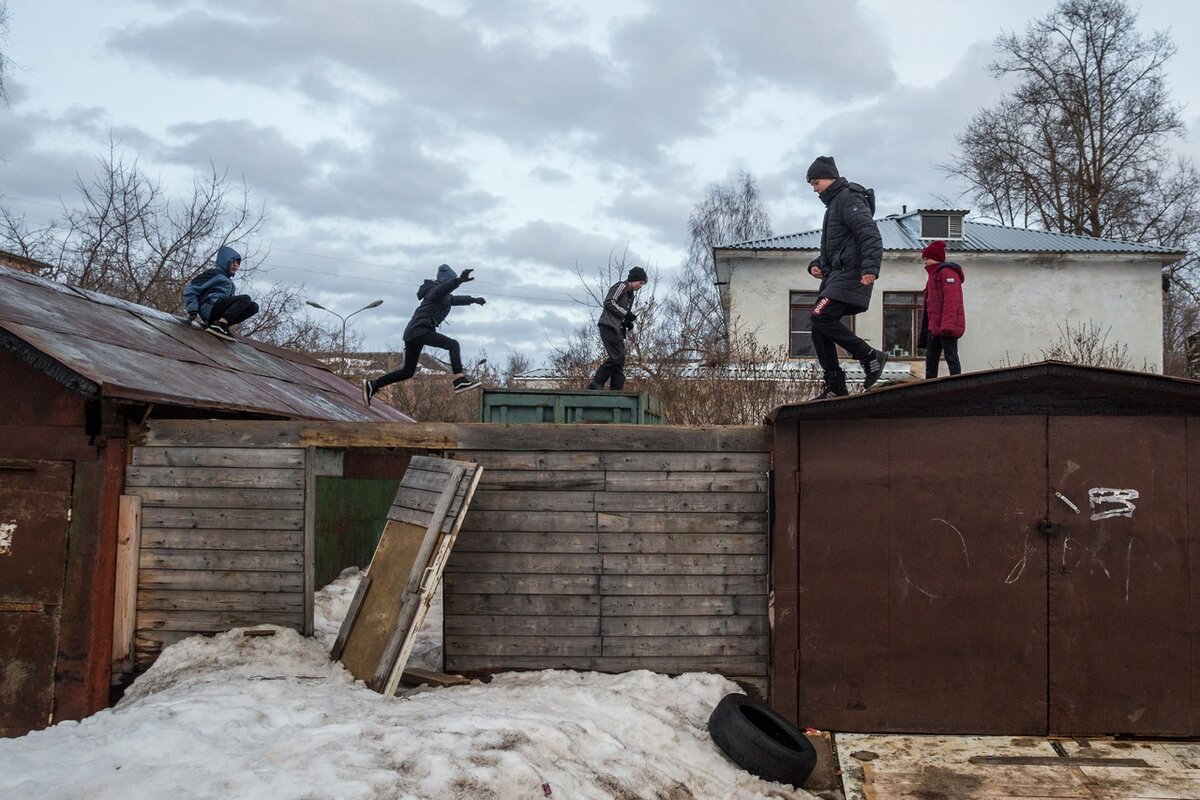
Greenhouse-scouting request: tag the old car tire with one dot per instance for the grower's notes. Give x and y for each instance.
(760, 741)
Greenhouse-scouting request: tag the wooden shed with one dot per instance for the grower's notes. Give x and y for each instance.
(1005, 552)
(80, 368)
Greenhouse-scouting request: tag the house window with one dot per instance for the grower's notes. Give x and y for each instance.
(902, 323)
(948, 226)
(800, 306)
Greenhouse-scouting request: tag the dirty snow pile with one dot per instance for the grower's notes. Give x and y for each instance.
(232, 716)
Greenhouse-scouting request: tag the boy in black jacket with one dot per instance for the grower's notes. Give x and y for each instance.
(616, 319)
(436, 301)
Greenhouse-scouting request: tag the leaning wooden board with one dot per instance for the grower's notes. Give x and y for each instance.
(377, 634)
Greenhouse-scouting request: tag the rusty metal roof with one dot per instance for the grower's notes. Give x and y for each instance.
(102, 346)
(1045, 388)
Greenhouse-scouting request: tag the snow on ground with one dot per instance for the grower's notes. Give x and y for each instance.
(231, 716)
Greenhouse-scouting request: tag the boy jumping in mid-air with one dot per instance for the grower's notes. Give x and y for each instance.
(436, 301)
(616, 320)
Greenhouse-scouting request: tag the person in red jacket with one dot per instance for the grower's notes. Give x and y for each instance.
(944, 321)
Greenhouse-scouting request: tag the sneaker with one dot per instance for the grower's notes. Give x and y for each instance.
(220, 329)
(873, 367)
(368, 391)
(465, 384)
(835, 386)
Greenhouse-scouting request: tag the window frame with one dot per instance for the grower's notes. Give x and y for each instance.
(805, 309)
(915, 307)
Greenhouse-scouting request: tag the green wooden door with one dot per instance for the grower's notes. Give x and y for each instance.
(350, 515)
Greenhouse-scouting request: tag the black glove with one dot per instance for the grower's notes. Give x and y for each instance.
(465, 276)
(627, 324)
(480, 300)
(630, 317)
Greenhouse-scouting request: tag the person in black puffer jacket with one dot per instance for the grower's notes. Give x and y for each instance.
(851, 252)
(437, 299)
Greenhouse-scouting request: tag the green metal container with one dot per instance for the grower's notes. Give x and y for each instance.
(569, 405)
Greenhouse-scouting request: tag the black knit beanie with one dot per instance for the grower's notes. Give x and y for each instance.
(637, 274)
(823, 167)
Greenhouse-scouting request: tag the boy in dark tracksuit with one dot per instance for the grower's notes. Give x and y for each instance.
(211, 297)
(437, 299)
(616, 319)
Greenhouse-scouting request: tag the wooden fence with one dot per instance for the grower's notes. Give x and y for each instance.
(606, 547)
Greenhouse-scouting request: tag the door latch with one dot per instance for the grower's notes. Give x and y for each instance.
(1049, 528)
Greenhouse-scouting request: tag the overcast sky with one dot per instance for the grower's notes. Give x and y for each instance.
(524, 138)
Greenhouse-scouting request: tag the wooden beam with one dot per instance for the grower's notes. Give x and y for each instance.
(129, 525)
(310, 547)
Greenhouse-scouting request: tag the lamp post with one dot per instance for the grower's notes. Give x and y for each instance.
(376, 304)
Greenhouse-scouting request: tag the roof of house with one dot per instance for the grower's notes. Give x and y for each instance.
(101, 346)
(1043, 388)
(902, 232)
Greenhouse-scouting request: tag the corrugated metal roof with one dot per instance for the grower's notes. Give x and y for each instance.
(131, 352)
(900, 232)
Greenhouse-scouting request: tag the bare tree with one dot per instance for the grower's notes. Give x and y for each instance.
(127, 239)
(4, 60)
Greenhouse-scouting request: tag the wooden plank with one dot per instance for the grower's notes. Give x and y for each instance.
(446, 466)
(214, 621)
(129, 525)
(564, 480)
(308, 557)
(514, 563)
(221, 518)
(505, 542)
(339, 644)
(214, 580)
(685, 482)
(198, 539)
(171, 600)
(215, 477)
(240, 560)
(173, 497)
(683, 564)
(523, 604)
(416, 676)
(534, 460)
(518, 500)
(652, 500)
(739, 543)
(668, 665)
(685, 626)
(510, 625)
(494, 645)
(683, 584)
(655, 522)
(652, 605)
(636, 646)
(224, 457)
(433, 481)
(701, 461)
(495, 583)
(515, 521)
(261, 434)
(785, 573)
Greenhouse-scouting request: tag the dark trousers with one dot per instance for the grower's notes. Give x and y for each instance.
(613, 369)
(234, 309)
(939, 345)
(412, 357)
(828, 331)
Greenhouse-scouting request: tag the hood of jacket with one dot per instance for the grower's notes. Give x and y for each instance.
(947, 265)
(226, 256)
(444, 273)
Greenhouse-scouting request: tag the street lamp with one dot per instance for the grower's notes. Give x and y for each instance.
(376, 304)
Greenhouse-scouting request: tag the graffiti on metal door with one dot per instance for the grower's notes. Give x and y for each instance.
(1122, 499)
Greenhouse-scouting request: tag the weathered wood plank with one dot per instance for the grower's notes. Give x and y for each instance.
(223, 457)
(683, 584)
(216, 433)
(129, 525)
(685, 482)
(160, 600)
(510, 625)
(525, 563)
(309, 555)
(505, 542)
(173, 497)
(428, 480)
(215, 477)
(672, 665)
(491, 645)
(535, 460)
(661, 522)
(220, 518)
(495, 583)
(540, 480)
(695, 502)
(517, 522)
(683, 564)
(740, 543)
(200, 539)
(667, 605)
(228, 580)
(533, 501)
(687, 462)
(685, 626)
(523, 604)
(239, 560)
(215, 621)
(638, 646)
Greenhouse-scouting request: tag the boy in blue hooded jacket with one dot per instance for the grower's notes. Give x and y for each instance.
(211, 297)
(437, 299)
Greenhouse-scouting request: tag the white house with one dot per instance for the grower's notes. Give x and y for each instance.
(1022, 288)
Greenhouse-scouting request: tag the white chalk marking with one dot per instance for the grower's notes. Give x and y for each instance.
(7, 529)
(1121, 497)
